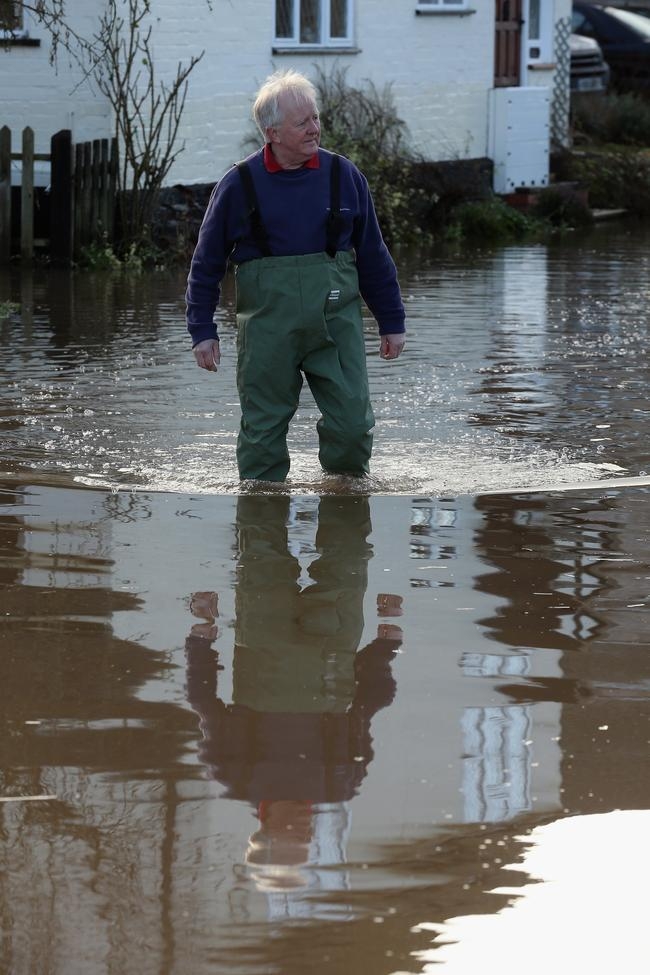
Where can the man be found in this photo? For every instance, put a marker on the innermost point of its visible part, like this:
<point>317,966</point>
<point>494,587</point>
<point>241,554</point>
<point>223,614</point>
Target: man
<point>299,225</point>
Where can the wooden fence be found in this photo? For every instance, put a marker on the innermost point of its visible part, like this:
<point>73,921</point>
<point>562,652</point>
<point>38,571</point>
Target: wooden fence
<point>81,195</point>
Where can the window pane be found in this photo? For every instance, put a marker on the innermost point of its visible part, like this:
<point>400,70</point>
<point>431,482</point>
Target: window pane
<point>10,16</point>
<point>310,21</point>
<point>284,18</point>
<point>339,18</point>
<point>533,20</point>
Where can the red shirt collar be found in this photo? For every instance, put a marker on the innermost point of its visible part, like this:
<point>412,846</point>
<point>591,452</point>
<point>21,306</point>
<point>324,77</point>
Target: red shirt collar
<point>272,166</point>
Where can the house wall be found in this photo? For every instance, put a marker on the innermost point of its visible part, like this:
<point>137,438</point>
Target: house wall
<point>440,68</point>
<point>440,85</point>
<point>48,98</point>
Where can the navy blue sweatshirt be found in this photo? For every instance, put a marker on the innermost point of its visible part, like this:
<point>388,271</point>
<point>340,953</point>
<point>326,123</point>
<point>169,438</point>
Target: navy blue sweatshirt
<point>294,205</point>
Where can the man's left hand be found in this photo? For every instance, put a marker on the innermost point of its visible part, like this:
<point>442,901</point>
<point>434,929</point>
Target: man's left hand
<point>392,345</point>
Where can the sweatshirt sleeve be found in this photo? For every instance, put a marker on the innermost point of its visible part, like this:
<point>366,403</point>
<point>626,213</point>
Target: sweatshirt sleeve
<point>378,281</point>
<point>217,238</point>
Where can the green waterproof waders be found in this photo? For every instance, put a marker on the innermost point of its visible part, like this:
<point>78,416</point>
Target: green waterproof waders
<point>301,316</point>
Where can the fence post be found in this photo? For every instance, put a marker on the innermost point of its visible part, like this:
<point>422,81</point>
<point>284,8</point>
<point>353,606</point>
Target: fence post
<point>85,204</point>
<point>61,199</point>
<point>113,164</point>
<point>5,194</point>
<point>95,200</point>
<point>27,196</point>
<point>103,189</point>
<point>77,190</point>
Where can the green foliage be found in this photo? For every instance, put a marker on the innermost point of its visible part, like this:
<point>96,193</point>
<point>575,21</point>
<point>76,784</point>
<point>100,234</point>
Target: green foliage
<point>363,124</point>
<point>617,119</point>
<point>8,308</point>
<point>611,159</point>
<point>491,222</point>
<point>99,256</point>
<point>615,178</point>
<point>562,210</point>
<point>136,258</point>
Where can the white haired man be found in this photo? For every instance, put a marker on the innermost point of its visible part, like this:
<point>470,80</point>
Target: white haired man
<point>299,225</point>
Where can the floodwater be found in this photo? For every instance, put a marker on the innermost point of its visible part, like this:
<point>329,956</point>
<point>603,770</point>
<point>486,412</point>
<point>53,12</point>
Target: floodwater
<point>525,366</point>
<point>389,729</point>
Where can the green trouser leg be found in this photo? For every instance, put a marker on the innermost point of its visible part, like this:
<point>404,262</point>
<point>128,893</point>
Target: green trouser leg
<point>295,648</point>
<point>301,316</point>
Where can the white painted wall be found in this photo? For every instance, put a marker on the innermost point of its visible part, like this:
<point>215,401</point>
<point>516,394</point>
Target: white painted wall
<point>47,98</point>
<point>440,68</point>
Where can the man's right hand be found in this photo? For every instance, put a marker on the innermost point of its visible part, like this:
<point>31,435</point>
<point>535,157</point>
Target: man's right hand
<point>207,354</point>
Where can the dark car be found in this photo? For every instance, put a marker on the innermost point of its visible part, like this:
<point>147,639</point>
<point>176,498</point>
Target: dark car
<point>589,70</point>
<point>624,37</point>
<point>639,8</point>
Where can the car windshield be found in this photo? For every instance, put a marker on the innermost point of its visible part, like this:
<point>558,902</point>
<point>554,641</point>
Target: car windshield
<point>637,22</point>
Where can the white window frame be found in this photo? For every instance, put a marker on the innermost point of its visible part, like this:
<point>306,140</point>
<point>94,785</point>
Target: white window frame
<point>326,40</point>
<point>538,49</point>
<point>19,31</point>
<point>442,6</point>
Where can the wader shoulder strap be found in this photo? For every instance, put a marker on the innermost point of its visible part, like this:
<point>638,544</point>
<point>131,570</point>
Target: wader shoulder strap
<point>334,220</point>
<point>258,229</point>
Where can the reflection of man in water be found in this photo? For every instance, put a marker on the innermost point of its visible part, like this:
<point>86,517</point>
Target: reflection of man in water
<point>295,742</point>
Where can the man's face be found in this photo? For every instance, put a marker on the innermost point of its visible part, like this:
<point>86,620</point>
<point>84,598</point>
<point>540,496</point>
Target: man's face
<point>297,137</point>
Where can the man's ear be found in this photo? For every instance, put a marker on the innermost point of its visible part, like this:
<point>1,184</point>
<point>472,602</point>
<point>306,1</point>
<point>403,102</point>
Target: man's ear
<point>271,134</point>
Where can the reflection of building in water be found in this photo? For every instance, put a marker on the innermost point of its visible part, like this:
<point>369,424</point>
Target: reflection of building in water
<point>515,388</point>
<point>82,874</point>
<point>431,537</point>
<point>542,572</point>
<point>295,741</point>
<point>496,765</point>
<point>524,290</point>
<point>572,575</point>
<point>426,522</point>
<point>496,740</point>
<point>605,738</point>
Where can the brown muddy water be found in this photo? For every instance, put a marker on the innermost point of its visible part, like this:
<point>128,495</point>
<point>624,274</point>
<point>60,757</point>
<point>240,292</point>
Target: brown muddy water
<point>384,731</point>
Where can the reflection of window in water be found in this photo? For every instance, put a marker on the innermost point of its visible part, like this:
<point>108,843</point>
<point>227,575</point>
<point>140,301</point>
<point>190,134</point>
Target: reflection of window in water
<point>427,517</point>
<point>425,521</point>
<point>496,767</point>
<point>579,625</point>
<point>425,550</point>
<point>494,665</point>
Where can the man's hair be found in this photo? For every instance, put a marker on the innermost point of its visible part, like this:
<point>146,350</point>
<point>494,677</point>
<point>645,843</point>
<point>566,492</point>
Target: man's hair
<point>266,109</point>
